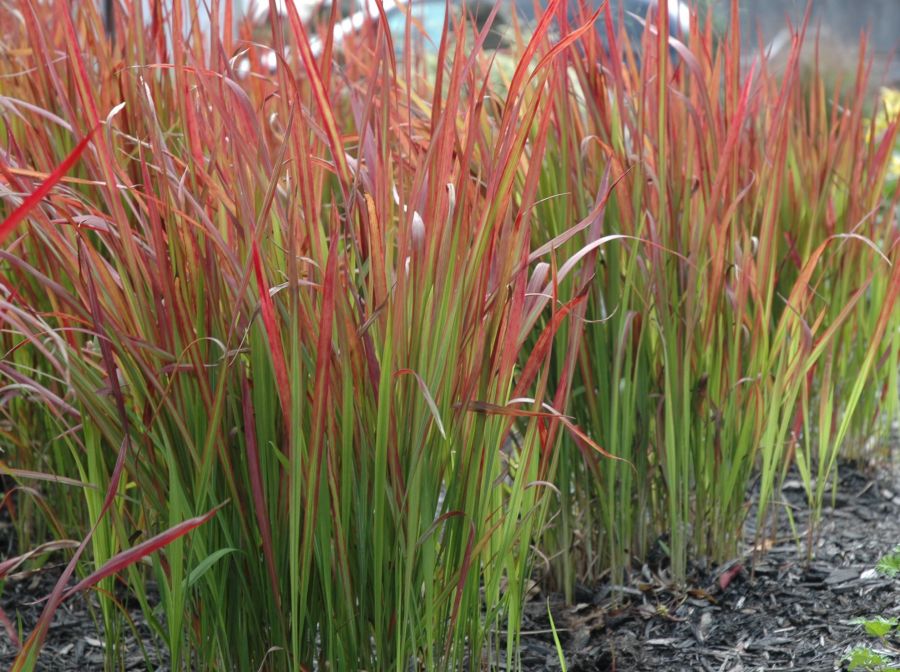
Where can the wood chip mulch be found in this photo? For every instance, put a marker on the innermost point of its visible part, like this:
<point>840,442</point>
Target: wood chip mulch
<point>774,612</point>
<point>777,612</point>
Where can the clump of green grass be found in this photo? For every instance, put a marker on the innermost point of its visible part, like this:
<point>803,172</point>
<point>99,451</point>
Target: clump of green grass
<point>275,332</point>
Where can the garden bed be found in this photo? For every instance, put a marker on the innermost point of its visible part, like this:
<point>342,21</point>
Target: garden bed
<point>252,326</point>
<point>75,640</point>
<point>777,613</point>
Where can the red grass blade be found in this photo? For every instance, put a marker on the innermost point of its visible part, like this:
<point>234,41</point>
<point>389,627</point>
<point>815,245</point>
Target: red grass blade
<point>126,558</point>
<point>268,315</point>
<point>40,476</point>
<point>10,565</point>
<point>11,222</point>
<point>549,414</point>
<point>595,215</point>
<point>335,141</point>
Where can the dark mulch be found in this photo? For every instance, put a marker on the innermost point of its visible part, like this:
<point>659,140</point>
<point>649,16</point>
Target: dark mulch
<point>777,613</point>
<point>76,640</point>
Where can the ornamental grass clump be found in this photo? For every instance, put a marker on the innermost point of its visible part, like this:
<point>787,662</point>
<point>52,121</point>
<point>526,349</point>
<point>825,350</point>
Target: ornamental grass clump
<point>330,355</point>
<point>286,315</point>
<point>746,321</point>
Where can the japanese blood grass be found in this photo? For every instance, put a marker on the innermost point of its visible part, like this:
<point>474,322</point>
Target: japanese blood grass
<point>320,300</point>
<point>748,320</point>
<point>299,301</point>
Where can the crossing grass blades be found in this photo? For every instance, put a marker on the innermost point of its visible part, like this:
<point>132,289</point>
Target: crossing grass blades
<point>265,341</point>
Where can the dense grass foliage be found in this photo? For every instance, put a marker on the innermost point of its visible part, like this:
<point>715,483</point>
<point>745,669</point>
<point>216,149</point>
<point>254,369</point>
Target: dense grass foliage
<point>333,355</point>
<point>753,326</point>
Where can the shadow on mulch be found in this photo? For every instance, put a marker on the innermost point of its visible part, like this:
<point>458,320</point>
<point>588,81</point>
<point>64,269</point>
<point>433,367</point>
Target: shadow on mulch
<point>779,613</point>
